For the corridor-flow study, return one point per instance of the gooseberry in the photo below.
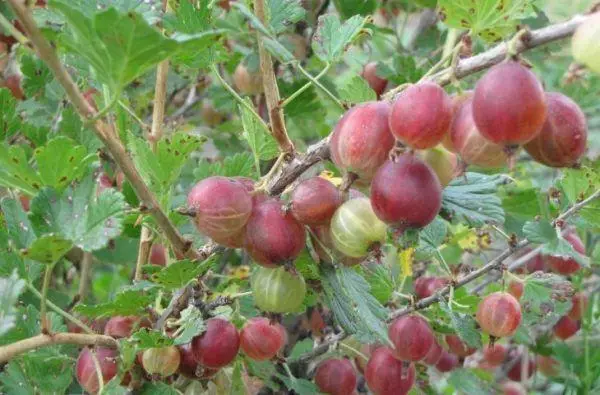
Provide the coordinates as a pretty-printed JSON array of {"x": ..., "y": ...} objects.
[
  {"x": 434, "y": 354},
  {"x": 566, "y": 327},
  {"x": 260, "y": 339},
  {"x": 277, "y": 290},
  {"x": 411, "y": 336},
  {"x": 515, "y": 288},
  {"x": 376, "y": 83},
  {"x": 585, "y": 46},
  {"x": 458, "y": 347},
  {"x": 158, "y": 254},
  {"x": 163, "y": 361},
  {"x": 314, "y": 201},
  {"x": 246, "y": 82},
  {"x": 443, "y": 162},
  {"x": 447, "y": 362},
  {"x": 494, "y": 354},
  {"x": 323, "y": 246},
  {"x": 86, "y": 372},
  {"x": 123, "y": 326},
  {"x": 499, "y": 314},
  {"x": 514, "y": 373},
  {"x": 580, "y": 302},
  {"x": 547, "y": 365},
  {"x": 513, "y": 388},
  {"x": 427, "y": 286},
  {"x": 218, "y": 345},
  {"x": 386, "y": 375},
  {"x": 566, "y": 265},
  {"x": 336, "y": 377},
  {"x": 189, "y": 367}
]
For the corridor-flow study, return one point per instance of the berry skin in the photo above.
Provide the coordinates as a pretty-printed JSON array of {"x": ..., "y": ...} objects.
[
  {"x": 509, "y": 104},
  {"x": 548, "y": 366},
  {"x": 566, "y": 265},
  {"x": 443, "y": 162},
  {"x": 163, "y": 361},
  {"x": 427, "y": 286},
  {"x": 361, "y": 140},
  {"x": 315, "y": 200},
  {"x": 85, "y": 368},
  {"x": 566, "y": 327},
  {"x": 355, "y": 229},
  {"x": 458, "y": 347},
  {"x": 387, "y": 375},
  {"x": 189, "y": 367},
  {"x": 376, "y": 83},
  {"x": 158, "y": 255},
  {"x": 580, "y": 303},
  {"x": 218, "y": 345},
  {"x": 499, "y": 314},
  {"x": 434, "y": 354},
  {"x": 261, "y": 340},
  {"x": 447, "y": 362},
  {"x": 515, "y": 371},
  {"x": 562, "y": 140},
  {"x": 336, "y": 377},
  {"x": 277, "y": 290},
  {"x": 421, "y": 115},
  {"x": 495, "y": 355},
  {"x": 515, "y": 288},
  {"x": 273, "y": 236},
  {"x": 406, "y": 193},
  {"x": 412, "y": 337},
  {"x": 123, "y": 326},
  {"x": 585, "y": 46},
  {"x": 246, "y": 82},
  {"x": 323, "y": 246},
  {"x": 222, "y": 205}
]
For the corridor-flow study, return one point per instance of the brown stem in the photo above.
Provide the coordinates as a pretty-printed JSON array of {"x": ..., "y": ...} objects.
[
  {"x": 12, "y": 350},
  {"x": 271, "y": 89},
  {"x": 85, "y": 273}
]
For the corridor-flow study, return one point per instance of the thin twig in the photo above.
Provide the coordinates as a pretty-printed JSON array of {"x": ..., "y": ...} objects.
[
  {"x": 85, "y": 273},
  {"x": 45, "y": 286}
]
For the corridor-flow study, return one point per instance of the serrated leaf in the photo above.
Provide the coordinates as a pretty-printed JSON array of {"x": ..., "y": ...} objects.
[
  {"x": 9, "y": 119},
  {"x": 546, "y": 298},
  {"x": 379, "y": 278},
  {"x": 61, "y": 161},
  {"x": 261, "y": 143},
  {"x": 491, "y": 19},
  {"x": 432, "y": 236},
  {"x": 36, "y": 75},
  {"x": 356, "y": 90},
  {"x": 178, "y": 274},
  {"x": 125, "y": 303},
  {"x": 307, "y": 266},
  {"x": 189, "y": 17},
  {"x": 540, "y": 232},
  {"x": 15, "y": 171},
  {"x": 78, "y": 215},
  {"x": 553, "y": 243},
  {"x": 348, "y": 8},
  {"x": 473, "y": 198},
  {"x": 401, "y": 70},
  {"x": 148, "y": 338},
  {"x": 299, "y": 386},
  {"x": 465, "y": 381},
  {"x": 332, "y": 36},
  {"x": 191, "y": 325},
  {"x": 10, "y": 289},
  {"x": 18, "y": 226},
  {"x": 464, "y": 325},
  {"x": 41, "y": 371},
  {"x": 158, "y": 388},
  {"x": 522, "y": 203},
  {"x": 47, "y": 249},
  {"x": 577, "y": 183},
  {"x": 240, "y": 165},
  {"x": 284, "y": 13},
  {"x": 354, "y": 308}
]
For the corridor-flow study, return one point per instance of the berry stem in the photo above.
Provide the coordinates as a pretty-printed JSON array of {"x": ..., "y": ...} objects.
[{"x": 304, "y": 87}]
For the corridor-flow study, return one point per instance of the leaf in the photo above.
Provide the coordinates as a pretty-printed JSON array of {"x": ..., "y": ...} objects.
[
  {"x": 38, "y": 372},
  {"x": 348, "y": 8},
  {"x": 87, "y": 220},
  {"x": 128, "y": 302},
  {"x": 577, "y": 184},
  {"x": 15, "y": 171},
  {"x": 546, "y": 298},
  {"x": 278, "y": 50},
  {"x": 61, "y": 161},
  {"x": 354, "y": 308},
  {"x": 299, "y": 386},
  {"x": 36, "y": 75},
  {"x": 379, "y": 278},
  {"x": 542, "y": 232},
  {"x": 356, "y": 90},
  {"x": 240, "y": 165},
  {"x": 521, "y": 203},
  {"x": 432, "y": 236},
  {"x": 118, "y": 56},
  {"x": 158, "y": 388},
  {"x": 191, "y": 325},
  {"x": 261, "y": 143},
  {"x": 19, "y": 228},
  {"x": 237, "y": 382},
  {"x": 307, "y": 266},
  {"x": 491, "y": 19},
  {"x": 10, "y": 289},
  {"x": 284, "y": 13},
  {"x": 332, "y": 37},
  {"x": 189, "y": 17},
  {"x": 47, "y": 249},
  {"x": 178, "y": 274},
  {"x": 148, "y": 338},
  {"x": 473, "y": 198},
  {"x": 464, "y": 325},
  {"x": 9, "y": 119},
  {"x": 465, "y": 381},
  {"x": 402, "y": 69}
]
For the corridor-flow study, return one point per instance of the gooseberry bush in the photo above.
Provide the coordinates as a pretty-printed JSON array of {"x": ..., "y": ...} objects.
[{"x": 299, "y": 197}]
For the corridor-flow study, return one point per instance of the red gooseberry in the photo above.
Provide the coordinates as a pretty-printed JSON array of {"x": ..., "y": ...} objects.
[
  {"x": 514, "y": 373},
  {"x": 494, "y": 355},
  {"x": 566, "y": 265},
  {"x": 458, "y": 347},
  {"x": 123, "y": 326},
  {"x": 499, "y": 314},
  {"x": 386, "y": 375},
  {"x": 377, "y": 83},
  {"x": 336, "y": 377},
  {"x": 314, "y": 201},
  {"x": 515, "y": 288},
  {"x": 158, "y": 254},
  {"x": 580, "y": 302},
  {"x": 189, "y": 367},
  {"x": 260, "y": 339},
  {"x": 447, "y": 362},
  {"x": 218, "y": 345},
  {"x": 513, "y": 388},
  {"x": 434, "y": 354},
  {"x": 427, "y": 286},
  {"x": 566, "y": 327},
  {"x": 411, "y": 336},
  {"x": 86, "y": 372}
]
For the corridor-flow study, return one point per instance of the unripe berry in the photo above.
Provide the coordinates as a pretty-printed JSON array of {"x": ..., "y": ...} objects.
[
  {"x": 421, "y": 115},
  {"x": 261, "y": 340},
  {"x": 218, "y": 345},
  {"x": 566, "y": 265},
  {"x": 398, "y": 190},
  {"x": 247, "y": 83},
  {"x": 86, "y": 372},
  {"x": 443, "y": 162},
  {"x": 387, "y": 375},
  {"x": 566, "y": 327},
  {"x": 315, "y": 200},
  {"x": 458, "y": 347},
  {"x": 277, "y": 290},
  {"x": 412, "y": 337},
  {"x": 336, "y": 377},
  {"x": 585, "y": 46},
  {"x": 323, "y": 246},
  {"x": 499, "y": 314},
  {"x": 163, "y": 361}
]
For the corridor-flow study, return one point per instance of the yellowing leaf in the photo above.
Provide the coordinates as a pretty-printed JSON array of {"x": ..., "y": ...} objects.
[
  {"x": 405, "y": 259},
  {"x": 329, "y": 176}
]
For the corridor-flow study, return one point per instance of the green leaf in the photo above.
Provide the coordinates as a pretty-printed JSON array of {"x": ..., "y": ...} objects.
[
  {"x": 432, "y": 236},
  {"x": 356, "y": 90},
  {"x": 473, "y": 198},
  {"x": 546, "y": 298},
  {"x": 261, "y": 143},
  {"x": 237, "y": 382},
  {"x": 47, "y": 249},
  {"x": 577, "y": 184},
  {"x": 540, "y": 232},
  {"x": 464, "y": 325},
  {"x": 15, "y": 171},
  {"x": 307, "y": 266},
  {"x": 158, "y": 388},
  {"x": 299, "y": 386},
  {"x": 379, "y": 278},
  {"x": 241, "y": 165},
  {"x": 19, "y": 228},
  {"x": 38, "y": 372},
  {"x": 189, "y": 17},
  {"x": 284, "y": 13},
  {"x": 89, "y": 221},
  {"x": 465, "y": 381},
  {"x": 332, "y": 37},
  {"x": 61, "y": 161},
  {"x": 278, "y": 50},
  {"x": 191, "y": 325},
  {"x": 10, "y": 289},
  {"x": 178, "y": 274},
  {"x": 9, "y": 119},
  {"x": 553, "y": 243},
  {"x": 118, "y": 56},
  {"x": 36, "y": 75},
  {"x": 402, "y": 69},
  {"x": 148, "y": 338},
  {"x": 349, "y": 8},
  {"x": 521, "y": 203},
  {"x": 125, "y": 303},
  {"x": 491, "y": 19},
  {"x": 354, "y": 308}
]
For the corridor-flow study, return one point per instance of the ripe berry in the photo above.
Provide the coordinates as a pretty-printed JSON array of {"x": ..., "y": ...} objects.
[
  {"x": 562, "y": 140},
  {"x": 315, "y": 200},
  {"x": 158, "y": 254},
  {"x": 427, "y": 286},
  {"x": 376, "y": 83},
  {"x": 469, "y": 143},
  {"x": 261, "y": 340},
  {"x": 457, "y": 102},
  {"x": 447, "y": 362},
  {"x": 499, "y": 314},
  {"x": 189, "y": 367},
  {"x": 222, "y": 206},
  {"x": 387, "y": 375},
  {"x": 580, "y": 303},
  {"x": 123, "y": 326},
  {"x": 566, "y": 327},
  {"x": 515, "y": 288},
  {"x": 412, "y": 337},
  {"x": 355, "y": 229},
  {"x": 443, "y": 162},
  {"x": 458, "y": 347},
  {"x": 323, "y": 246},
  {"x": 515, "y": 371},
  {"x": 434, "y": 354},
  {"x": 585, "y": 43},
  {"x": 336, "y": 377},
  {"x": 86, "y": 373},
  {"x": 247, "y": 83},
  {"x": 509, "y": 105},
  {"x": 361, "y": 140},
  {"x": 163, "y": 361},
  {"x": 273, "y": 236},
  {"x": 566, "y": 265},
  {"x": 406, "y": 193},
  {"x": 421, "y": 115},
  {"x": 277, "y": 290},
  {"x": 495, "y": 355},
  {"x": 218, "y": 345}
]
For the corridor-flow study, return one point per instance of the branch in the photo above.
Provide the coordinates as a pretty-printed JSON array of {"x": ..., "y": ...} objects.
[
  {"x": 12, "y": 350},
  {"x": 104, "y": 131},
  {"x": 278, "y": 129}
]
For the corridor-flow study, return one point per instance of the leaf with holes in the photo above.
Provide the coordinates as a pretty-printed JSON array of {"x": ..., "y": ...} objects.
[{"x": 47, "y": 249}]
